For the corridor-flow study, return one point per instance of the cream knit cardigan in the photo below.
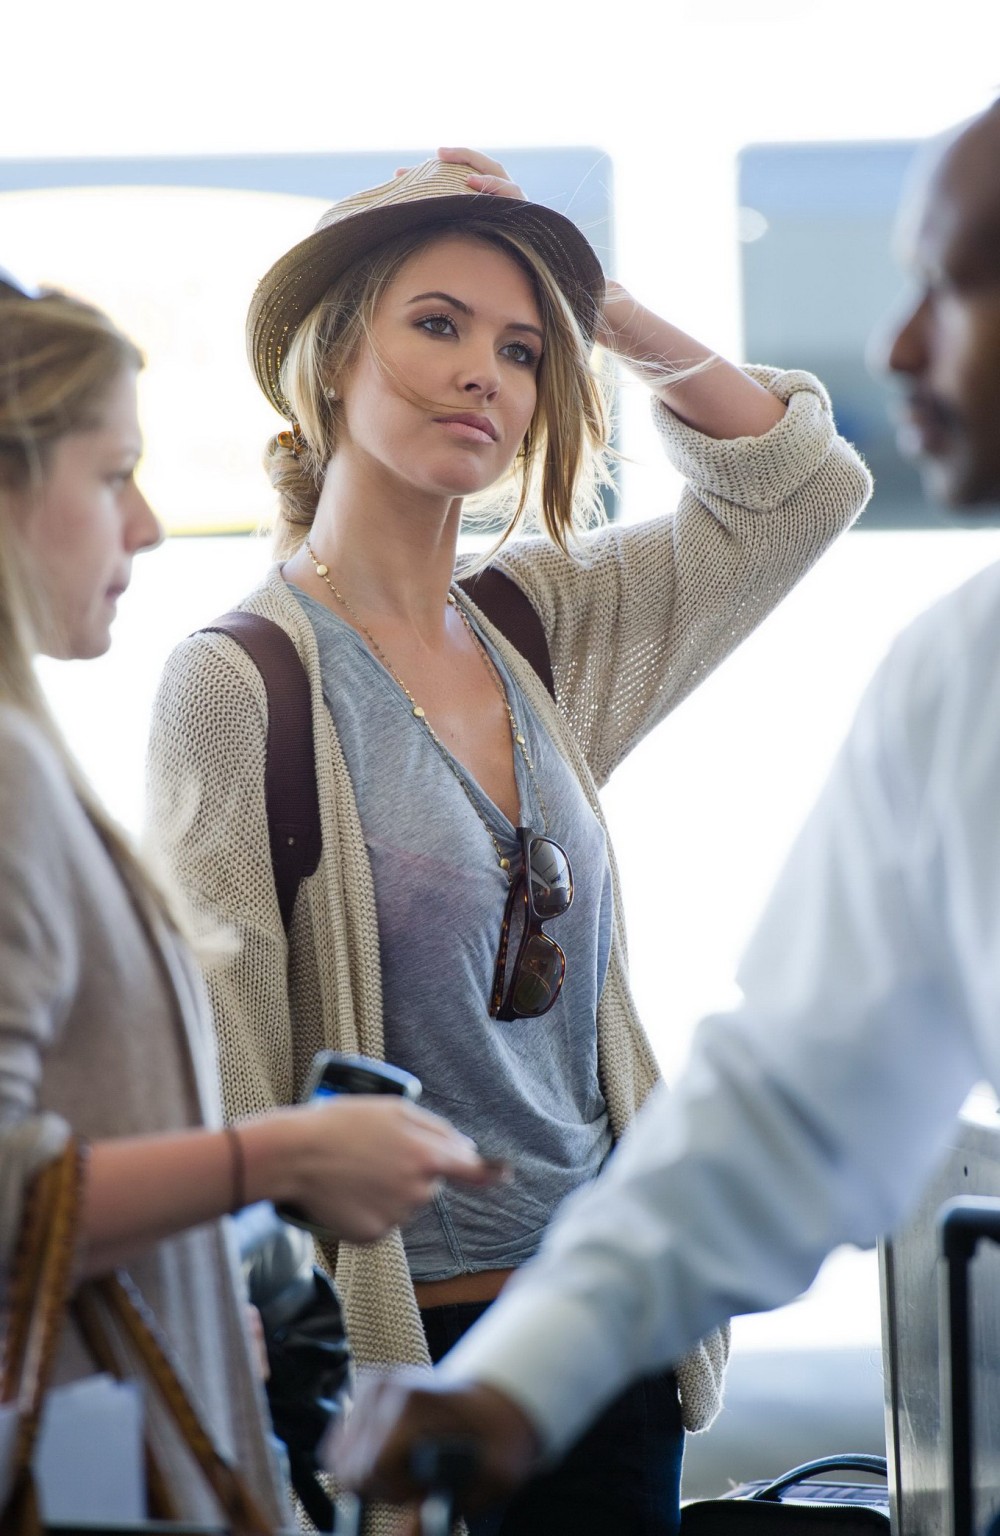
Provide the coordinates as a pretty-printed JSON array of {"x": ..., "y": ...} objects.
[{"x": 632, "y": 627}]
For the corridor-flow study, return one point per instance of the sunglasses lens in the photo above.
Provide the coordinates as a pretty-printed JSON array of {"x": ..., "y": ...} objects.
[
  {"x": 539, "y": 976},
  {"x": 551, "y": 880}
]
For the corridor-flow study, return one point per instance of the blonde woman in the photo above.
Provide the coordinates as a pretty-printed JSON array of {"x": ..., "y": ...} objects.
[
  {"x": 103, "y": 1029},
  {"x": 429, "y": 343}
]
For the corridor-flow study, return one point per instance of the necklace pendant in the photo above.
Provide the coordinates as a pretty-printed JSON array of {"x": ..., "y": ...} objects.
[
  {"x": 322, "y": 570},
  {"x": 505, "y": 863},
  {"x": 519, "y": 739},
  {"x": 418, "y": 712}
]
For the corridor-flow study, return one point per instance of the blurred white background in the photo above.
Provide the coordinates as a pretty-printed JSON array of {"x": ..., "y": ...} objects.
[{"x": 703, "y": 813}]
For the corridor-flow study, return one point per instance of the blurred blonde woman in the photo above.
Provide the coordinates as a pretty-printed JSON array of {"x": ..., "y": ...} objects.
[
  {"x": 103, "y": 1027},
  {"x": 431, "y": 342}
]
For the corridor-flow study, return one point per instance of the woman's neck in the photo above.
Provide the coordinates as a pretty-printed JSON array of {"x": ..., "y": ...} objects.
[{"x": 392, "y": 554}]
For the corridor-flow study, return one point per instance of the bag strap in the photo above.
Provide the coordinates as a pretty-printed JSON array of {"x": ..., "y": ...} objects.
[
  {"x": 848, "y": 1461},
  {"x": 38, "y": 1294},
  {"x": 290, "y": 791},
  {"x": 114, "y": 1299},
  {"x": 514, "y": 615},
  {"x": 38, "y": 1299}
]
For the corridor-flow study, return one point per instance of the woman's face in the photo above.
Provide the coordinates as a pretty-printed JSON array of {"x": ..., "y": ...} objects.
[
  {"x": 443, "y": 399},
  {"x": 86, "y": 522}
]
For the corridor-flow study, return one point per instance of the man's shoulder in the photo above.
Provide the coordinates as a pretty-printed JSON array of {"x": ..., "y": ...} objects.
[
  {"x": 939, "y": 686},
  {"x": 963, "y": 627}
]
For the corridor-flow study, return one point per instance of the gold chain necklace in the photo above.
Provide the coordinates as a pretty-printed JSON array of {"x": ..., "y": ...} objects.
[{"x": 323, "y": 572}]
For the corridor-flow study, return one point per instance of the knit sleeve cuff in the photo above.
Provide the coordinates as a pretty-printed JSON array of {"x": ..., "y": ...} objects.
[{"x": 756, "y": 472}]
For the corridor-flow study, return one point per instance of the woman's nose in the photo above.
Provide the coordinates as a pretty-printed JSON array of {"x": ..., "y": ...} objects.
[
  {"x": 481, "y": 376},
  {"x": 144, "y": 529}
]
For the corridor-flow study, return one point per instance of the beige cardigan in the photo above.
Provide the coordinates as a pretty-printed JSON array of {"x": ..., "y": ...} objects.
[
  {"x": 632, "y": 627},
  {"x": 104, "y": 1032}
]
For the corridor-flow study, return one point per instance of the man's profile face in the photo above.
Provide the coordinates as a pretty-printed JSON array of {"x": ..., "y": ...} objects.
[{"x": 946, "y": 353}]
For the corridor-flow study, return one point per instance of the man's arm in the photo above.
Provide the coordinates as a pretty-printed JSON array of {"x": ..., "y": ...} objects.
[{"x": 809, "y": 1117}]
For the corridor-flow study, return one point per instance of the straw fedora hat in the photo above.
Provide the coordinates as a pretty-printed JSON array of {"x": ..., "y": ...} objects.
[{"x": 434, "y": 193}]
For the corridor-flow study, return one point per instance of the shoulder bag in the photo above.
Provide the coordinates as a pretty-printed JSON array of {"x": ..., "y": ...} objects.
[{"x": 39, "y": 1299}]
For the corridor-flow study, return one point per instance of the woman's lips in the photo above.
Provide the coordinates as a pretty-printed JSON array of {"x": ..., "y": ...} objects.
[{"x": 473, "y": 429}]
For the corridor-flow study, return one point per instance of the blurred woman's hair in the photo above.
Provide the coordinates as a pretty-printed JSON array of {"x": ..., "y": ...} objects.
[
  {"x": 562, "y": 463},
  {"x": 59, "y": 361}
]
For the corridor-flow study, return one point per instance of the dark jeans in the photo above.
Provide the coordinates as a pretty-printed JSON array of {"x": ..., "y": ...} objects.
[{"x": 622, "y": 1478}]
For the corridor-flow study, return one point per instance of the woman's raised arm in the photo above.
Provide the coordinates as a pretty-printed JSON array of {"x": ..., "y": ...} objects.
[{"x": 719, "y": 399}]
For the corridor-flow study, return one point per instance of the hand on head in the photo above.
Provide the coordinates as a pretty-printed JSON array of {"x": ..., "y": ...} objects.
[
  {"x": 485, "y": 175},
  {"x": 372, "y": 1452}
]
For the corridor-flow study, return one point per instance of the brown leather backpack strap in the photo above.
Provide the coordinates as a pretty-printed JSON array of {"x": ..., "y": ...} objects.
[
  {"x": 290, "y": 792},
  {"x": 514, "y": 615}
]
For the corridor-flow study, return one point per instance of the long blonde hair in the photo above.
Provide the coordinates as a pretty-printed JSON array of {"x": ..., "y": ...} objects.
[
  {"x": 59, "y": 358},
  {"x": 561, "y": 465}
]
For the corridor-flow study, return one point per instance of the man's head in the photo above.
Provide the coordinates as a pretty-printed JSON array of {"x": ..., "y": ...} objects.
[{"x": 946, "y": 352}]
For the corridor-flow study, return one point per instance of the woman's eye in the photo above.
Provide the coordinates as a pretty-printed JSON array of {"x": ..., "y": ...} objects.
[
  {"x": 520, "y": 352},
  {"x": 438, "y": 325}
]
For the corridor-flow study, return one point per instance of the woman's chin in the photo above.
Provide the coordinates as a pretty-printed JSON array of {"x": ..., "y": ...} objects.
[
  {"x": 465, "y": 477},
  {"x": 86, "y": 646}
]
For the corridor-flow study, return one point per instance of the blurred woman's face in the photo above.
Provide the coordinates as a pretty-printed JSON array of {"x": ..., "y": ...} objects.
[
  {"x": 443, "y": 397},
  {"x": 85, "y": 523}
]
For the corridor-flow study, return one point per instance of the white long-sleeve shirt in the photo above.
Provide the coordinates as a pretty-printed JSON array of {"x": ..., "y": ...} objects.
[{"x": 813, "y": 1114}]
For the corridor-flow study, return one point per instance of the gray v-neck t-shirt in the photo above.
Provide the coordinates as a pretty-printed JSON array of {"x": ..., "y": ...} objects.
[{"x": 527, "y": 1090}]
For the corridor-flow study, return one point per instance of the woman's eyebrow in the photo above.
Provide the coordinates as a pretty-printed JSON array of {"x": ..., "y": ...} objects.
[{"x": 449, "y": 298}]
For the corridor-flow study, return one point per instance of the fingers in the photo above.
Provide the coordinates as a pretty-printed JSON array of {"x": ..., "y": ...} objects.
[
  {"x": 372, "y": 1451},
  {"x": 486, "y": 1174},
  {"x": 487, "y": 175},
  {"x": 364, "y": 1450},
  {"x": 258, "y": 1344},
  {"x": 376, "y": 1161},
  {"x": 433, "y": 1124},
  {"x": 475, "y": 160},
  {"x": 455, "y": 1156}
]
